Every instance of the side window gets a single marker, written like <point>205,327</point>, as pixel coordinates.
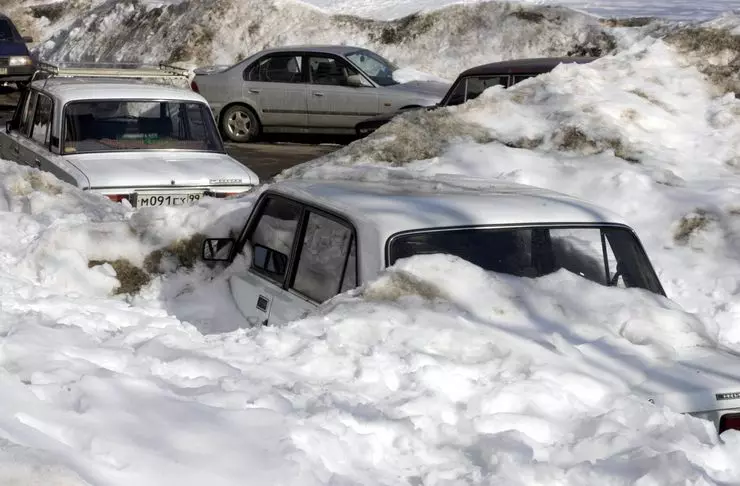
<point>457,95</point>
<point>330,71</point>
<point>323,258</point>
<point>272,239</point>
<point>521,77</point>
<point>27,116</point>
<point>350,270</point>
<point>42,120</point>
<point>476,85</point>
<point>277,69</point>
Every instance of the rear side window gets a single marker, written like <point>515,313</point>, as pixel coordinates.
<point>518,78</point>
<point>326,263</point>
<point>42,120</point>
<point>476,85</point>
<point>272,239</point>
<point>276,69</point>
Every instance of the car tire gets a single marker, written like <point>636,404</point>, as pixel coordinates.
<point>240,124</point>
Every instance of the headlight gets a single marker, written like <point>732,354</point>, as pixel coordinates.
<point>20,61</point>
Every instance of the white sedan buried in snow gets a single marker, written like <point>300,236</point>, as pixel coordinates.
<point>307,241</point>
<point>149,144</point>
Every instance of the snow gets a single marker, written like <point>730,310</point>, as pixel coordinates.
<point>437,372</point>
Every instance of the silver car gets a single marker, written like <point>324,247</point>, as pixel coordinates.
<point>307,89</point>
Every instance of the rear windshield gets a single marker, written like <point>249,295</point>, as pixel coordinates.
<point>7,32</point>
<point>110,126</point>
<point>608,255</point>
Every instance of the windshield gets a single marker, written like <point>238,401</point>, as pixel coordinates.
<point>608,255</point>
<point>113,126</point>
<point>7,32</point>
<point>374,66</point>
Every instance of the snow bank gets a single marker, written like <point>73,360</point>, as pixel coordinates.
<point>641,132</point>
<point>408,380</point>
<point>198,33</point>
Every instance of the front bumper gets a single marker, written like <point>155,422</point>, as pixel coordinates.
<point>14,74</point>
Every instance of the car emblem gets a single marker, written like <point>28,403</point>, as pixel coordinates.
<point>727,396</point>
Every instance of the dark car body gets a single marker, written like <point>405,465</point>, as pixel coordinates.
<point>472,82</point>
<point>16,64</point>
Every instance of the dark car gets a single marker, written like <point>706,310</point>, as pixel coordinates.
<point>472,82</point>
<point>16,64</point>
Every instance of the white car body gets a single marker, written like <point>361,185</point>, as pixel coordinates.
<point>336,223</point>
<point>156,176</point>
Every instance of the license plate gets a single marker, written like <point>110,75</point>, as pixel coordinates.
<point>146,200</point>
<point>3,70</point>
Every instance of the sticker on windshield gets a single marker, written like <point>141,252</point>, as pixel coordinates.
<point>727,396</point>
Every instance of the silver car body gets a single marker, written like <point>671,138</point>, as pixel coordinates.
<point>150,176</point>
<point>302,104</point>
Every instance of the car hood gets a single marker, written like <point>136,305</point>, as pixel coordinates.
<point>704,381</point>
<point>428,89</point>
<point>13,48</point>
<point>149,169</point>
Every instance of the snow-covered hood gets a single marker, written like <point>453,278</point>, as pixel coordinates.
<point>137,169</point>
<point>702,382</point>
<point>428,89</point>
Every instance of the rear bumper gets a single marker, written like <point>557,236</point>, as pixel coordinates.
<point>178,196</point>
<point>12,74</point>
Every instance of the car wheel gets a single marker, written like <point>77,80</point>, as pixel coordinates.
<point>240,124</point>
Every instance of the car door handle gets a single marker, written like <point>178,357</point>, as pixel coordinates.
<point>316,93</point>
<point>254,91</point>
<point>36,163</point>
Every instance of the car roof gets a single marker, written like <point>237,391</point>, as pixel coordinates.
<point>524,66</point>
<point>339,50</point>
<point>81,88</point>
<point>392,207</point>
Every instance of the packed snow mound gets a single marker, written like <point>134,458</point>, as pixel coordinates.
<point>194,32</point>
<point>407,379</point>
<point>643,132</point>
<point>66,239</point>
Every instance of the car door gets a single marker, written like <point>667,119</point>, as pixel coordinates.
<point>9,147</point>
<point>298,258</point>
<point>339,95</point>
<point>35,132</point>
<point>276,87</point>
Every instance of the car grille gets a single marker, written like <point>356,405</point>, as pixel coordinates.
<point>4,61</point>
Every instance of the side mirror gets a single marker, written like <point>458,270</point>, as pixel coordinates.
<point>355,81</point>
<point>27,39</point>
<point>217,249</point>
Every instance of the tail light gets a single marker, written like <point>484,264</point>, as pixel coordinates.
<point>118,197</point>
<point>221,194</point>
<point>730,421</point>
<point>194,86</point>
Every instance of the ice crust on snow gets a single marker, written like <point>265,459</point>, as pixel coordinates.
<point>435,373</point>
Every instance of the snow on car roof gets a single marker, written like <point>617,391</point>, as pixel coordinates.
<point>397,206</point>
<point>73,89</point>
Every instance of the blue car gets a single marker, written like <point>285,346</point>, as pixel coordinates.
<point>16,64</point>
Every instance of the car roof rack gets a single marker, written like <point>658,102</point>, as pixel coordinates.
<point>46,70</point>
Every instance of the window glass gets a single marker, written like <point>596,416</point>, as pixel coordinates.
<point>110,126</point>
<point>7,32</point>
<point>456,95</point>
<point>379,69</point>
<point>476,85</point>
<point>330,71</point>
<point>25,127</point>
<point>606,255</point>
<point>277,69</point>
<point>42,120</point>
<point>521,77</point>
<point>272,239</point>
<point>323,258</point>
<point>350,271</point>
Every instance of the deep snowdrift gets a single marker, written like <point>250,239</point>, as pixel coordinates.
<point>222,31</point>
